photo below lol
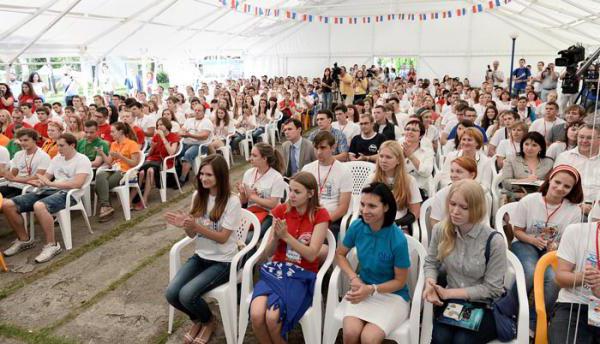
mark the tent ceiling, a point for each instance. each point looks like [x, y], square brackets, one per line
[168, 28]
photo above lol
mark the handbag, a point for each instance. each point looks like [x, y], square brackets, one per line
[506, 308]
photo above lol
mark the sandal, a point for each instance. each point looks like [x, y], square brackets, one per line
[105, 213]
[204, 335]
[192, 333]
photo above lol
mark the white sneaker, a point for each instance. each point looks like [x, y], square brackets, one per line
[48, 252]
[18, 246]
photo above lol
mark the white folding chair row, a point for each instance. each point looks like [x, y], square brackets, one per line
[198, 160]
[311, 321]
[225, 294]
[226, 151]
[408, 332]
[514, 272]
[360, 171]
[169, 170]
[129, 180]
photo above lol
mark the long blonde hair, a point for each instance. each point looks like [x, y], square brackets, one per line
[401, 187]
[475, 198]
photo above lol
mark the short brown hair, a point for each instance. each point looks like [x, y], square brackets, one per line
[474, 133]
[69, 138]
[32, 134]
[324, 136]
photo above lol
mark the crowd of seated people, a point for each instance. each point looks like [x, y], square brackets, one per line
[444, 140]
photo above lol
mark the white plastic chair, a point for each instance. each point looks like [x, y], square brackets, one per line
[408, 332]
[360, 171]
[514, 272]
[225, 294]
[496, 193]
[63, 217]
[198, 160]
[226, 150]
[129, 180]
[311, 321]
[244, 144]
[508, 208]
[169, 170]
[424, 221]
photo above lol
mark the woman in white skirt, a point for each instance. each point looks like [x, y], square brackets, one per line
[380, 283]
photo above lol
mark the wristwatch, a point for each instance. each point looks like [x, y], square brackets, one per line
[374, 289]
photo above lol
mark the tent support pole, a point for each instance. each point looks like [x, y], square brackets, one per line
[43, 31]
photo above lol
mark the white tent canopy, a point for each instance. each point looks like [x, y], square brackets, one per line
[186, 29]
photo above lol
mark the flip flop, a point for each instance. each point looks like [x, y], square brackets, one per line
[204, 335]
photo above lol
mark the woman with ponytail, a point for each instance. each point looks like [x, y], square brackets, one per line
[262, 186]
[124, 154]
[458, 244]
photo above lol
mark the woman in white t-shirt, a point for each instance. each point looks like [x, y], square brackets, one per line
[471, 142]
[214, 216]
[578, 276]
[539, 221]
[262, 186]
[175, 126]
[511, 146]
[568, 142]
[391, 170]
[223, 128]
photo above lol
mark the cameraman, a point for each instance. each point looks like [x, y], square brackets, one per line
[495, 75]
[567, 98]
[7, 100]
[549, 80]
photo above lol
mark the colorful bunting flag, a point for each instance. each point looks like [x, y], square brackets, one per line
[307, 17]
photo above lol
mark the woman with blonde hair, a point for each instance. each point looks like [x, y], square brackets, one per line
[75, 127]
[391, 170]
[478, 280]
[470, 145]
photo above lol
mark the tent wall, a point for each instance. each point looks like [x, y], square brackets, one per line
[459, 47]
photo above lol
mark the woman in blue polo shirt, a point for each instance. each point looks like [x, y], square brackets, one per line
[384, 261]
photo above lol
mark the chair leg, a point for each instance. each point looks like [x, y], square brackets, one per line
[87, 200]
[139, 191]
[171, 318]
[123, 194]
[163, 186]
[87, 221]
[228, 320]
[64, 221]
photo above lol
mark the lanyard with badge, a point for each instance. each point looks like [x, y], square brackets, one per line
[322, 185]
[594, 302]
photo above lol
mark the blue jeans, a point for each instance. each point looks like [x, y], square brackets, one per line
[447, 334]
[257, 133]
[327, 100]
[55, 201]
[189, 152]
[528, 256]
[195, 278]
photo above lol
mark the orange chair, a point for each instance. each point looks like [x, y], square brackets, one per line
[541, 331]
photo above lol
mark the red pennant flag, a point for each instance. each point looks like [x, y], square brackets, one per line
[491, 4]
[288, 14]
[335, 20]
[458, 12]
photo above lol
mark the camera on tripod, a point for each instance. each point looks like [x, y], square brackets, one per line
[569, 58]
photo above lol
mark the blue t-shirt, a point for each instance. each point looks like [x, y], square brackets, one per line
[521, 73]
[379, 253]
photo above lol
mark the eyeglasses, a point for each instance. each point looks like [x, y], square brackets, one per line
[364, 123]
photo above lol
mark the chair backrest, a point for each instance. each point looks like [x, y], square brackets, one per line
[505, 209]
[424, 222]
[417, 255]
[246, 222]
[515, 273]
[549, 259]
[324, 268]
[360, 171]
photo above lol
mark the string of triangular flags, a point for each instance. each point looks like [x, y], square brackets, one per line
[287, 14]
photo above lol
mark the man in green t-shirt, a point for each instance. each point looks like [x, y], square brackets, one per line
[87, 146]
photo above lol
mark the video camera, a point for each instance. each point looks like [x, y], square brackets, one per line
[569, 58]
[335, 72]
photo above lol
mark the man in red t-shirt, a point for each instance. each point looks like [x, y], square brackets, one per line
[17, 117]
[127, 117]
[103, 126]
[42, 126]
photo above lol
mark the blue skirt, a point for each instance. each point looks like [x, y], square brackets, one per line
[288, 288]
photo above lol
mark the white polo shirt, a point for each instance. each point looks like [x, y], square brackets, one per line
[588, 168]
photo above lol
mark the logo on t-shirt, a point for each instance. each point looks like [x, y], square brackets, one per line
[372, 148]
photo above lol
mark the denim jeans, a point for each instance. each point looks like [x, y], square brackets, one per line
[448, 334]
[189, 152]
[564, 321]
[528, 256]
[195, 278]
[257, 133]
[327, 100]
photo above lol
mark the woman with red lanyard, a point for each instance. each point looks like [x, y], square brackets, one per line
[164, 143]
[284, 291]
[538, 223]
[578, 274]
[262, 186]
[27, 95]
